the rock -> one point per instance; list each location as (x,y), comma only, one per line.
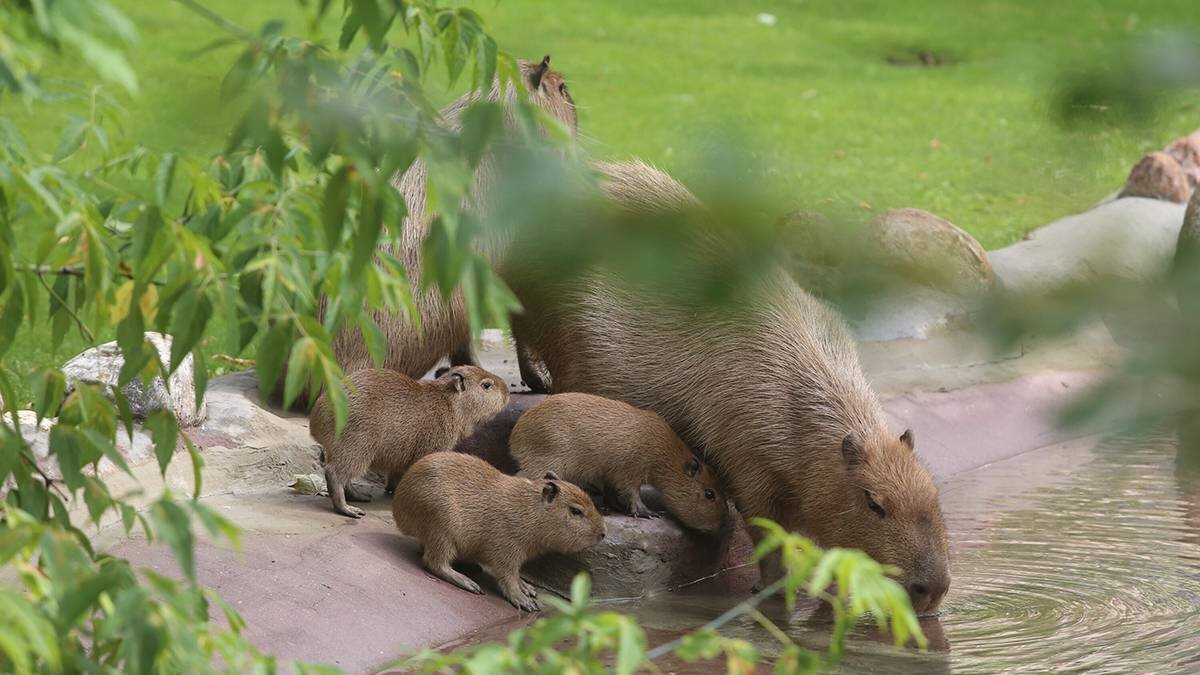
(639,556)
(103,364)
(1186,274)
(1186,151)
(932,251)
(1158,176)
(1132,238)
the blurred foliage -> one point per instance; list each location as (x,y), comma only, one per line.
(580,638)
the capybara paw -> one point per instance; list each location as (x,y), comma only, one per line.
(526,604)
(472,587)
(528,589)
(352,511)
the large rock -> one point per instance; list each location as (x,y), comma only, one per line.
(1186,151)
(1158,176)
(933,251)
(103,364)
(1132,238)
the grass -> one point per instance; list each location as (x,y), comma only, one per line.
(831,121)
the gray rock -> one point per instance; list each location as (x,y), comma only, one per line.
(103,364)
(37,435)
(1132,238)
(933,252)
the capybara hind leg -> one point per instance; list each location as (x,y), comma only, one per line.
(530,367)
(508,577)
(337,493)
(437,558)
(356,494)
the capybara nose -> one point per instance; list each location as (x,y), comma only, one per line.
(926,594)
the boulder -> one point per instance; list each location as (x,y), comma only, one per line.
(1186,151)
(103,364)
(1132,238)
(932,251)
(1158,176)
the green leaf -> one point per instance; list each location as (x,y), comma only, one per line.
(175,528)
(12,316)
(72,138)
(48,393)
(124,409)
(702,645)
(271,354)
(631,647)
(25,635)
(163,177)
(581,590)
(164,431)
(304,355)
(482,122)
(189,317)
(333,207)
(200,370)
(197,467)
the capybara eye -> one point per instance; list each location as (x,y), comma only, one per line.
(576,511)
(710,495)
(874,504)
(487,384)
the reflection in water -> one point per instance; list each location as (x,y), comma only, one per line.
(1066,559)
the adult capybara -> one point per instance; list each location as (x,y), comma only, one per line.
(444,328)
(594,441)
(462,508)
(769,388)
(394,420)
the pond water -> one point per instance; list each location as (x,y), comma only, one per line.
(1078,557)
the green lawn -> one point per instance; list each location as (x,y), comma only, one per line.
(833,125)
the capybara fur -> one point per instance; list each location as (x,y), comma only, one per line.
(463,509)
(770,389)
(394,420)
(609,445)
(444,328)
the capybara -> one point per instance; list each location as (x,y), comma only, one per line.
(444,328)
(611,445)
(462,508)
(394,420)
(770,389)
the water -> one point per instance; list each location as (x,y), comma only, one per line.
(1074,558)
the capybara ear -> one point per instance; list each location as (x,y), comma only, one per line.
(437,374)
(457,381)
(693,467)
(852,450)
(549,492)
(907,439)
(535,78)
(550,475)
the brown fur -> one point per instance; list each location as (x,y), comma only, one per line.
(394,420)
(444,329)
(1186,151)
(769,389)
(462,508)
(590,440)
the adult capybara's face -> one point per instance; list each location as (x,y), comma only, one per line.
(480,393)
(890,510)
(568,520)
(693,495)
(548,90)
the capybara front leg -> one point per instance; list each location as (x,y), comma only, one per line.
(508,577)
(337,493)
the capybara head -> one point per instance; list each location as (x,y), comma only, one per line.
(477,394)
(567,521)
(548,91)
(692,493)
(890,510)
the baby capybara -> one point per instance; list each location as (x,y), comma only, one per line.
(462,508)
(395,420)
(607,444)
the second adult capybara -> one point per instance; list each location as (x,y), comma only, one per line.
(463,509)
(770,389)
(394,420)
(595,441)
